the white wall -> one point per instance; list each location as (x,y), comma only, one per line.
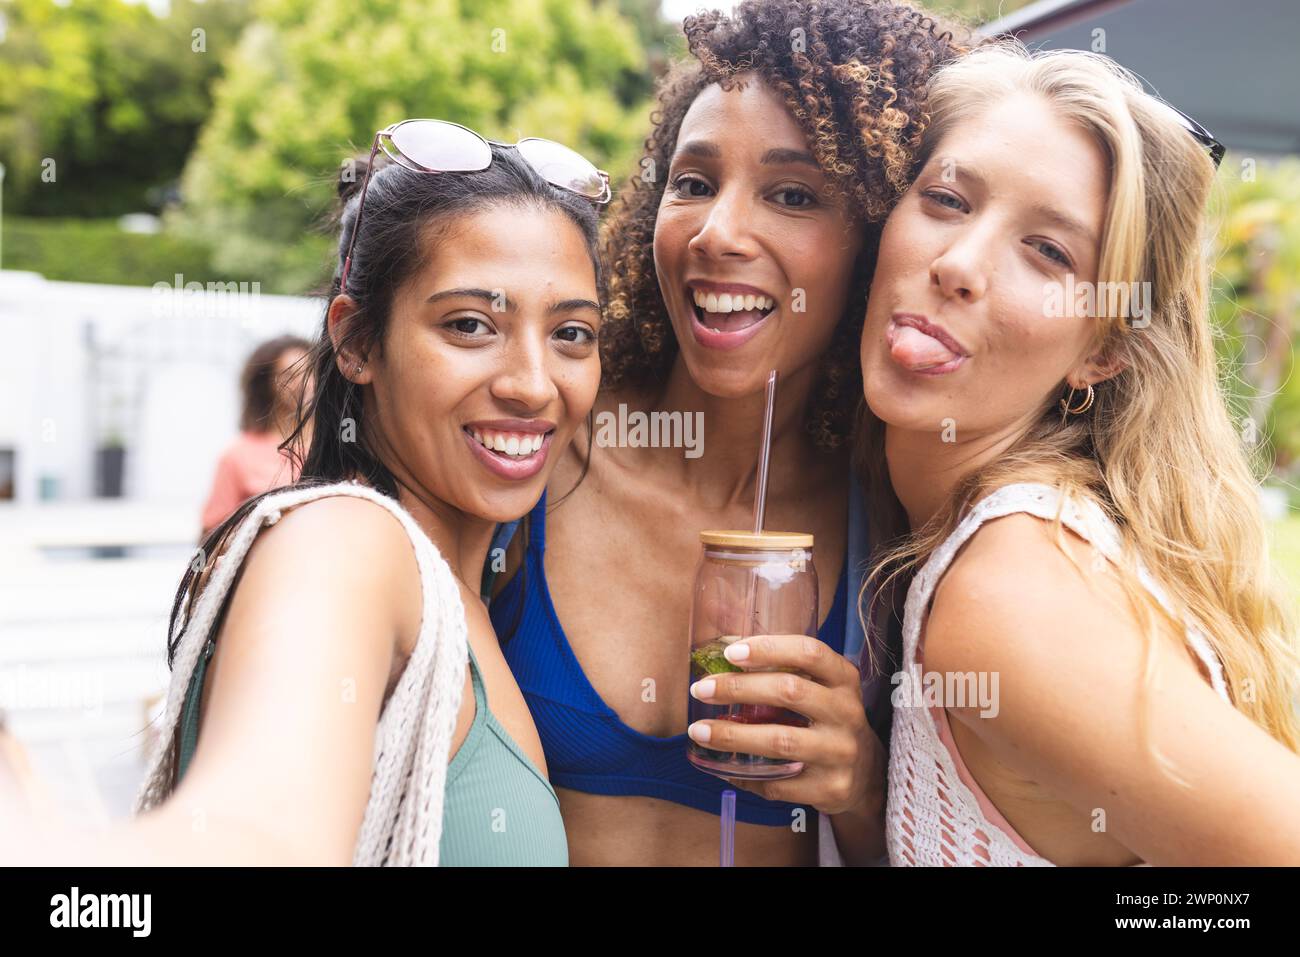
(163,374)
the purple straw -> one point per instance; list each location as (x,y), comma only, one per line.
(727,847)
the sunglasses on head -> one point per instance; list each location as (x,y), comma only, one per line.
(439,146)
(1201,134)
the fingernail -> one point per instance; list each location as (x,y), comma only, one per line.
(699,732)
(703,689)
(737,652)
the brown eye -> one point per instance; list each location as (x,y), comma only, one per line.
(797,198)
(690,186)
(467,326)
(577,335)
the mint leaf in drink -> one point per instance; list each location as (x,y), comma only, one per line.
(709,659)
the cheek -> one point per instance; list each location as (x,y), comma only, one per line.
(578,386)
(672,233)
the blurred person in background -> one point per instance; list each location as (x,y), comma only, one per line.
(273,376)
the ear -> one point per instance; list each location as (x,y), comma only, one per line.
(351,363)
(1097,367)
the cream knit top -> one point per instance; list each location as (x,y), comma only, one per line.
(404,813)
(936,814)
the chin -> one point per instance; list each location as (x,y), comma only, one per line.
(509,506)
(734,375)
(894,408)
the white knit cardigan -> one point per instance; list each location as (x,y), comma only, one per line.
(403,817)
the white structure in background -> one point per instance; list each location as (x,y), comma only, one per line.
(82,637)
(155,369)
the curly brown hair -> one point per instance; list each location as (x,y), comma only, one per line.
(856,88)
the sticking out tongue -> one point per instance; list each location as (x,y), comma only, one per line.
(914,350)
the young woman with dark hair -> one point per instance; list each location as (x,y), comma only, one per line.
(338,694)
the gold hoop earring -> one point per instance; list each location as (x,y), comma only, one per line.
(1083,407)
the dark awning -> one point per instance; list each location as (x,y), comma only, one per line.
(1235,67)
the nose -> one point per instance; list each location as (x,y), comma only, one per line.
(726,233)
(960,271)
(524,379)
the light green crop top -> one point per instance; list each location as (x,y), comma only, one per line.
(499,810)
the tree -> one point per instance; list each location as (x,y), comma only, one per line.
(100,103)
(976,11)
(1256,302)
(311,80)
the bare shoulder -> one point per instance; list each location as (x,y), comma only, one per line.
(337,551)
(1020,594)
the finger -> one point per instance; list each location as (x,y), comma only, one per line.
(764,692)
(780,741)
(801,653)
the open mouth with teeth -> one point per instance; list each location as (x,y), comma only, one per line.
(511,446)
(726,312)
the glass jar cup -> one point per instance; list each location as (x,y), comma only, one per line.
(746,584)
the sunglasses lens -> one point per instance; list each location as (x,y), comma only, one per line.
(562,167)
(443,147)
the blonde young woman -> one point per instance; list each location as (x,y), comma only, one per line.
(1073,515)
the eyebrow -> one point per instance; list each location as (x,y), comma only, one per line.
(486,295)
(776,156)
(1050,213)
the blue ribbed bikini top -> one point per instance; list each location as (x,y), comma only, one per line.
(588,747)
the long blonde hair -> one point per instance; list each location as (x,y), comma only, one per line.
(1158,449)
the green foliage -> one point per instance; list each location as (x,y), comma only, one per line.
(1286,550)
(1256,303)
(311,80)
(976,11)
(110,93)
(91,250)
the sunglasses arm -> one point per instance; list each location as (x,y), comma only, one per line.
(356,226)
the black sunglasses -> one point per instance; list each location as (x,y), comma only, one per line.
(1202,135)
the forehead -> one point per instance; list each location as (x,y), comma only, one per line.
(750,112)
(1024,149)
(506,243)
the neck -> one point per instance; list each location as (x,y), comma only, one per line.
(925,470)
(462,539)
(726,473)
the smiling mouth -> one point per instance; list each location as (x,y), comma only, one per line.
(511,446)
(730,313)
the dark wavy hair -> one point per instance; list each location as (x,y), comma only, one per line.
(407,214)
(856,89)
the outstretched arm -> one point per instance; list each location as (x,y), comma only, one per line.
(283,767)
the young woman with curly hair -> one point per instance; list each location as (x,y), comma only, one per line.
(743,245)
